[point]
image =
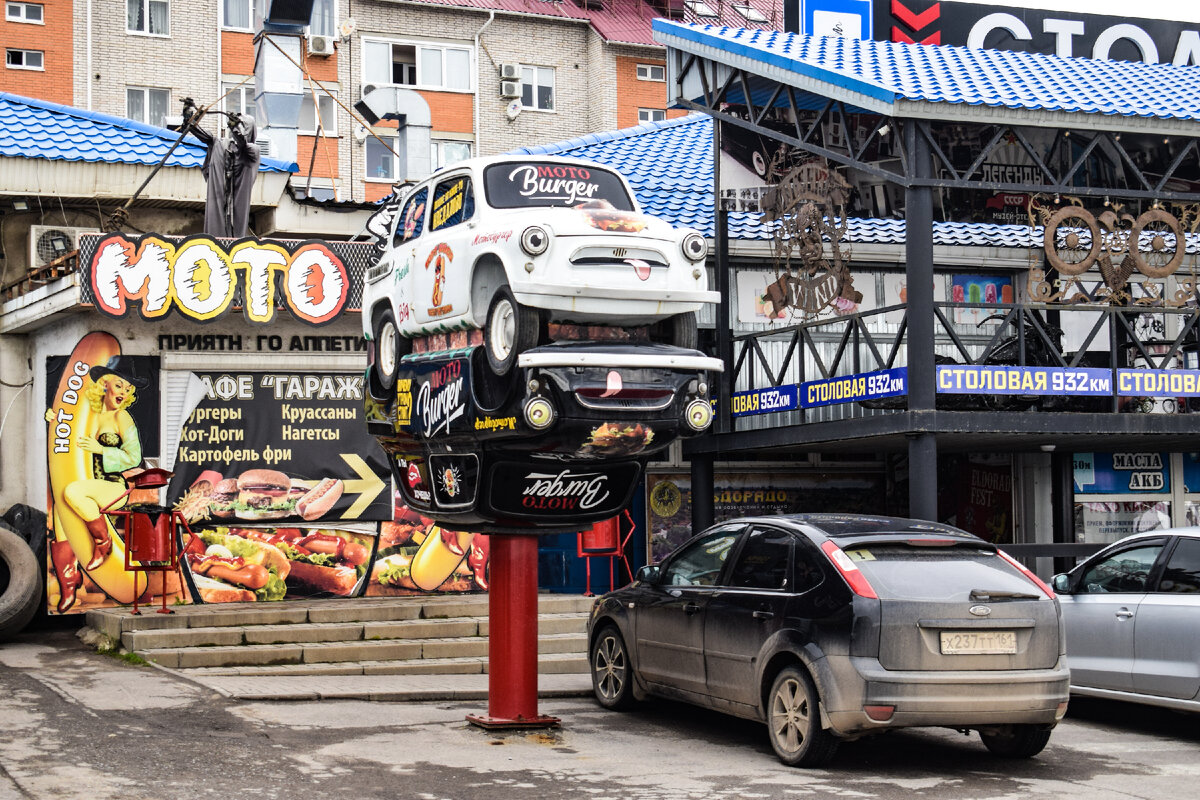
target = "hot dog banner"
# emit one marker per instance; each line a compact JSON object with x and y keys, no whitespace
{"x":277,"y":448}
{"x":101,"y":419}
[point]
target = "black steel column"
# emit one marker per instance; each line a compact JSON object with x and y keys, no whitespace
{"x":918,"y":254}
{"x":724,"y":323}
{"x":702,"y":492}
{"x":1062,"y":504}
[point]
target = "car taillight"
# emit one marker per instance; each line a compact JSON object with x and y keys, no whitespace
{"x":1027,"y":573}
{"x":853,"y":575}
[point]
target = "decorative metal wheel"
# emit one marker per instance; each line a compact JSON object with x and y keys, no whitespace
{"x":1156,"y":243}
{"x":1066,"y":249}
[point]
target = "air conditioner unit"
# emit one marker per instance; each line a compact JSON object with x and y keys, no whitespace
{"x":510,"y":72}
{"x":510,"y":88}
{"x":49,"y":242}
{"x":320,"y":46}
{"x":367,"y":88}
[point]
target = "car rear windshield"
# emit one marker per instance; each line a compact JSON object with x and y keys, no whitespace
{"x":534,"y":184}
{"x":900,"y":571}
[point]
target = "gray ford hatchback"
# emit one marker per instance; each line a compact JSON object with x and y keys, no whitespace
{"x":829,"y":627}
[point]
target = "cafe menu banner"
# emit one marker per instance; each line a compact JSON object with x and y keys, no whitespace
{"x":271,"y":446}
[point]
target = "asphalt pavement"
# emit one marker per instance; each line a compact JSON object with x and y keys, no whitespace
{"x":78,"y":724}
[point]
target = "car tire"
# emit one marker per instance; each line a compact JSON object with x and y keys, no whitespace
{"x":510,"y":330}
{"x":390,"y":347}
{"x":20,"y":583}
{"x":794,"y":721}
{"x":1016,"y":741}
{"x":680,"y":330}
{"x":612,"y":675}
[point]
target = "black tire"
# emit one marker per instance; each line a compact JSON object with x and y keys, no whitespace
{"x":612,"y":676}
{"x":510,"y":330}
{"x":1016,"y":741}
{"x":680,"y":330}
{"x":794,"y":721}
{"x":390,"y":347}
{"x":20,"y":583}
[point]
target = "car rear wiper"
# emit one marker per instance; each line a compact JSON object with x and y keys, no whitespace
{"x":982,"y":595}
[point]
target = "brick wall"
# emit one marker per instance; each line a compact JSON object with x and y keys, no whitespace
{"x":53,"y":39}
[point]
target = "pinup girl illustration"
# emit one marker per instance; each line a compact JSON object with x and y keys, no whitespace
{"x":87,"y":473}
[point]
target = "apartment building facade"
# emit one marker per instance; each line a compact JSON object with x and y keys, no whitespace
{"x":495,"y":74}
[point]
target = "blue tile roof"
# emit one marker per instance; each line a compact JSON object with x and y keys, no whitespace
{"x":669,"y":165}
{"x":891,"y":72}
{"x":40,"y":129}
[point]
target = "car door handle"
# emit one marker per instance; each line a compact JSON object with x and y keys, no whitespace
{"x":691,"y":608}
{"x":763,"y":615}
{"x":1124,"y":613}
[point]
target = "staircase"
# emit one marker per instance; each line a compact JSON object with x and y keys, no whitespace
{"x":434,"y":635}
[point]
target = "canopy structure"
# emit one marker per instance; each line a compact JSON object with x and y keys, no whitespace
{"x":1090,"y":129}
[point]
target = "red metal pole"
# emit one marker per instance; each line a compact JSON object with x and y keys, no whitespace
{"x":512,"y":640}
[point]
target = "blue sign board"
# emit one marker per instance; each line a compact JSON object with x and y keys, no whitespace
{"x":845,"y":19}
{"x":977,"y":379}
{"x":852,"y":388}
{"x":763,"y":401}
{"x":1122,"y":473}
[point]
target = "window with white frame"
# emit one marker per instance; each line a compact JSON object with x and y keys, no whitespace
{"x":537,"y":88}
{"x":445,"y":153}
{"x":236,"y":14}
{"x":308,"y":118}
{"x":147,"y":105}
{"x":23,"y":59}
{"x":651,"y":114}
{"x":32,"y":13}
{"x":751,"y":13}
{"x":148,"y":16}
{"x":382,"y":162}
{"x":700,"y":8}
{"x":238,"y":99}
{"x":651,"y":72}
{"x":427,"y":66}
{"x":324,"y":18}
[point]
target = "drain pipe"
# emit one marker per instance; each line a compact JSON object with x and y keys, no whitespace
{"x":88,"y":78}
{"x":478,"y":40}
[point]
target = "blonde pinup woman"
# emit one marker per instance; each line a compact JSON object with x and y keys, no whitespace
{"x":116,"y":449}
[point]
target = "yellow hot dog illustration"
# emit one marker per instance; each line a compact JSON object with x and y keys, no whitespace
{"x":438,"y":556}
{"x":83,"y":536}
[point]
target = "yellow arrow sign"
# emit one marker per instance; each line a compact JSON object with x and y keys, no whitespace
{"x":368,"y":488}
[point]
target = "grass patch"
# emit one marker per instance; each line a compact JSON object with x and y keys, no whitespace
{"x":132,"y":659}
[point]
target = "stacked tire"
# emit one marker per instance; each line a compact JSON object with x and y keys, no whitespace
{"x":20,"y":583}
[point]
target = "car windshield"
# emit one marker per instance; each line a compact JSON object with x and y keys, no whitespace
{"x":533,"y":184}
{"x":898,"y":571}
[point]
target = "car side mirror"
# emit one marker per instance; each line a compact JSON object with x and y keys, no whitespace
{"x":1061,"y":583}
{"x":648,"y":574}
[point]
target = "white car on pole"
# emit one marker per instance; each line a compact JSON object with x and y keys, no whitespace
{"x":508,"y":244}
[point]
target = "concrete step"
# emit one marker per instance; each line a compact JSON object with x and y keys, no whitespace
{"x":548,"y":664}
{"x":338,"y":651}
{"x":113,"y":622}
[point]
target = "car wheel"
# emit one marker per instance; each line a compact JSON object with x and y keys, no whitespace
{"x":511,"y":330}
{"x":20,"y":583}
{"x":760,"y":163}
{"x":390,"y":347}
{"x":612,"y":678}
{"x":794,"y":721}
{"x":1016,"y":741}
{"x":680,"y":330}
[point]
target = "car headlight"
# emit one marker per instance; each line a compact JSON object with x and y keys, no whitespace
{"x":539,"y":413}
{"x":698,"y":415}
{"x":694,"y":247}
{"x":535,"y":240}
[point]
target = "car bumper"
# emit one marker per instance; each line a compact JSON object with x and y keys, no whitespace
{"x":958,"y":699}
{"x":601,"y":303}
